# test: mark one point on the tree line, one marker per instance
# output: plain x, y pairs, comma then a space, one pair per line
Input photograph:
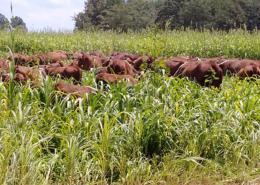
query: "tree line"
15, 21
180, 14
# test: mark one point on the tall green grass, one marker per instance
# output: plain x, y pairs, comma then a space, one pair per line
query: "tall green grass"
236, 43
161, 131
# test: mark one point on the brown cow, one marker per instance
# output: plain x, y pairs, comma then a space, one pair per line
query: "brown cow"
121, 57
183, 59
234, 65
86, 62
36, 83
18, 78
74, 90
160, 59
23, 70
143, 59
21, 59
101, 70
117, 66
128, 57
73, 63
58, 64
31, 60
118, 53
113, 78
4, 65
97, 54
52, 57
134, 57
70, 71
124, 56
249, 71
17, 57
30, 73
173, 65
75, 56
175, 62
202, 71
105, 61
217, 60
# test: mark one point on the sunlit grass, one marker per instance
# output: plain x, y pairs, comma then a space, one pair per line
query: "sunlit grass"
239, 43
161, 131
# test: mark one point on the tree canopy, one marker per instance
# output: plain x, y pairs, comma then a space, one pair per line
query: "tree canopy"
3, 20
18, 21
15, 21
138, 14
132, 15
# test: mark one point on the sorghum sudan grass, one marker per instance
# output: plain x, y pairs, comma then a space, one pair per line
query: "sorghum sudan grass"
236, 43
161, 131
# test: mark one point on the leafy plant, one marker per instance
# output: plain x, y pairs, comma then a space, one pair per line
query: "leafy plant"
163, 130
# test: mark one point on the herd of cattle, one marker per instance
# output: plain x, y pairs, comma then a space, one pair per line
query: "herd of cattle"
118, 66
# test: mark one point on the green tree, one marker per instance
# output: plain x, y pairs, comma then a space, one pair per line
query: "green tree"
138, 14
169, 11
143, 14
116, 17
252, 9
196, 13
92, 13
220, 14
3, 20
111, 3
227, 14
133, 15
93, 10
81, 21
18, 21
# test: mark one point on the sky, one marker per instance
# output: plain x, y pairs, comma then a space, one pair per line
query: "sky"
43, 14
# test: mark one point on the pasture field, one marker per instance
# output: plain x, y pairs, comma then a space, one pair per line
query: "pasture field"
161, 131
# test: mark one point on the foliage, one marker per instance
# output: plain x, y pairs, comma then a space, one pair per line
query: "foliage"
169, 12
182, 14
18, 21
234, 44
228, 14
3, 21
91, 16
196, 16
161, 131
117, 14
81, 21
252, 9
132, 15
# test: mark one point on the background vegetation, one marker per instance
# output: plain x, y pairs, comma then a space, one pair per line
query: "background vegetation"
234, 44
15, 22
161, 131
124, 15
